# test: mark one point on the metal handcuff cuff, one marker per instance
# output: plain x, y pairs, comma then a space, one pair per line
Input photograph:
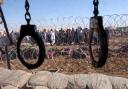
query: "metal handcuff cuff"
96, 24
30, 30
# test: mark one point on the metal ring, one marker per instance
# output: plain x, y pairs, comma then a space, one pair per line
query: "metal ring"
103, 52
40, 43
29, 17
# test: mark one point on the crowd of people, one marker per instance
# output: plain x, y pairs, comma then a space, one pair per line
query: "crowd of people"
56, 37
59, 37
64, 37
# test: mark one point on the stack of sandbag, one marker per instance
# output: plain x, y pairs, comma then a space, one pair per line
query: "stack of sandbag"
48, 80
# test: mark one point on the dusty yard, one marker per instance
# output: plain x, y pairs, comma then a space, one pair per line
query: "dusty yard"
117, 62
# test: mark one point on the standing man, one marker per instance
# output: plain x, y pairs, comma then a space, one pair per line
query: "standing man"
77, 36
52, 35
43, 35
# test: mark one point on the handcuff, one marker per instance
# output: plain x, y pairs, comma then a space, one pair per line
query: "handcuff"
96, 24
30, 30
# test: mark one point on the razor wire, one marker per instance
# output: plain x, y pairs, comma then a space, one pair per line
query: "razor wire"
112, 21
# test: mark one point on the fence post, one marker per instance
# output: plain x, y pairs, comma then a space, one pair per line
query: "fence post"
7, 56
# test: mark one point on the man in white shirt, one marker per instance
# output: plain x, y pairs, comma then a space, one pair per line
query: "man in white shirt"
52, 34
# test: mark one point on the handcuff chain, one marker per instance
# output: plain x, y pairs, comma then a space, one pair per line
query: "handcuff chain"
96, 11
27, 14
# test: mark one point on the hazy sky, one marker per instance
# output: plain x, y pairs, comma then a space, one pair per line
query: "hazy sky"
14, 9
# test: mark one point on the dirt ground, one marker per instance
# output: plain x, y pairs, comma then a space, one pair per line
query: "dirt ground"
117, 64
115, 67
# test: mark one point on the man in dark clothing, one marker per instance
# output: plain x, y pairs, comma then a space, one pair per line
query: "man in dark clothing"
77, 36
62, 36
69, 37
72, 35
48, 37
